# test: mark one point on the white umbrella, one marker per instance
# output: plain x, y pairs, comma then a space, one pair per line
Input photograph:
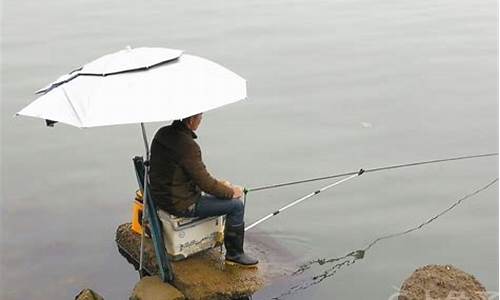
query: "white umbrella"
136, 86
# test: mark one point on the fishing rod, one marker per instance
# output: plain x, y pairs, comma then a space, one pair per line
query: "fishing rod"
350, 174
361, 171
277, 185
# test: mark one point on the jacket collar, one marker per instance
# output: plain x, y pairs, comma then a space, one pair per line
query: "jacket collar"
179, 125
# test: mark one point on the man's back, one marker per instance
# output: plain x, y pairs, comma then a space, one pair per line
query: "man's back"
177, 173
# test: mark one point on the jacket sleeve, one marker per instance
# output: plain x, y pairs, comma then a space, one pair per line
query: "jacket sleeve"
195, 168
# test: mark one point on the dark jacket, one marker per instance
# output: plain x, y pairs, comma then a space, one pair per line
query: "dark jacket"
177, 173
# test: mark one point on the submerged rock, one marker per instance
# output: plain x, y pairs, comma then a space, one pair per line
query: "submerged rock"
201, 276
152, 288
88, 294
438, 282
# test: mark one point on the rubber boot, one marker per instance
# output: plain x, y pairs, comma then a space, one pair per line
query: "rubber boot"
233, 241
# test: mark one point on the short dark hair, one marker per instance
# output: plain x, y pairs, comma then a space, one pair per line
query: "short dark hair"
186, 119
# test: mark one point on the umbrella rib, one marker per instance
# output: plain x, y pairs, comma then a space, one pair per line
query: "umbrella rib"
145, 68
72, 106
54, 85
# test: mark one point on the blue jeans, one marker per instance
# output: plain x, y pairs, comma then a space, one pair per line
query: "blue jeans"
209, 206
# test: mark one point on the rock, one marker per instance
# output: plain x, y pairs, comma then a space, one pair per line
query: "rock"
129, 242
152, 288
88, 294
441, 282
205, 276
201, 276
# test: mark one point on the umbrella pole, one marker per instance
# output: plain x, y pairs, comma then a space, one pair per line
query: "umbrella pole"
146, 173
149, 214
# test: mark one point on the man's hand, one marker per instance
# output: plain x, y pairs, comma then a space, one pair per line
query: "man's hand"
237, 191
227, 183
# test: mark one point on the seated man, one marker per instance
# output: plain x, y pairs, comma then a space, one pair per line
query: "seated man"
178, 176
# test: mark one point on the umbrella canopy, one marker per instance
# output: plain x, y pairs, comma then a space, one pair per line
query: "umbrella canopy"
135, 86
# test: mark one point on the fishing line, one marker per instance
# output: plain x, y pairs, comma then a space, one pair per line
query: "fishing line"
412, 164
456, 203
350, 258
360, 253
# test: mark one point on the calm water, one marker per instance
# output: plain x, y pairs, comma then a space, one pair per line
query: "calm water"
333, 86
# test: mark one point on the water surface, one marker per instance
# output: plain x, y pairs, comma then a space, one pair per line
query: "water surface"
334, 86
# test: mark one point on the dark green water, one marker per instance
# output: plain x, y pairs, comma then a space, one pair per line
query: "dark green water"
334, 86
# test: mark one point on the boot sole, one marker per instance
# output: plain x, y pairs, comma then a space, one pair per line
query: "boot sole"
232, 263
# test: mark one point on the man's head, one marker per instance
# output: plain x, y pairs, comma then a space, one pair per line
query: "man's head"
193, 121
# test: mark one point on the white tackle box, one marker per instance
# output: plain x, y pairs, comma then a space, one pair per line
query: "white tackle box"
186, 236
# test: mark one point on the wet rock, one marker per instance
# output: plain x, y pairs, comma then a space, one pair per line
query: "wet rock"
88, 294
129, 243
201, 276
152, 288
441, 282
